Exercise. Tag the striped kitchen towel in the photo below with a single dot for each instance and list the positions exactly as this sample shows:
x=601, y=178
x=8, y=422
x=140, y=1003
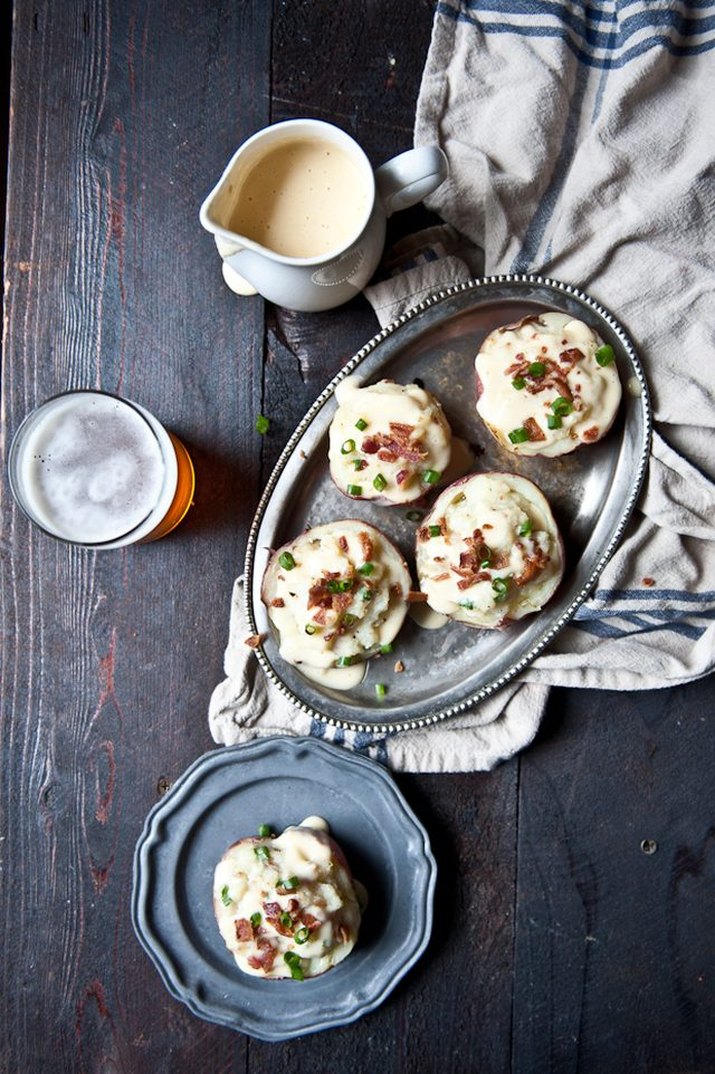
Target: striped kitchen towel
x=581, y=144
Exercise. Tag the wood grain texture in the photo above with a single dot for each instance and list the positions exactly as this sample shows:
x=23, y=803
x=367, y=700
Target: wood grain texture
x=559, y=945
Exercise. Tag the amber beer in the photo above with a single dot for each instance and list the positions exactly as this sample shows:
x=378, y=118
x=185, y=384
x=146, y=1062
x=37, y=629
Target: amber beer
x=96, y=470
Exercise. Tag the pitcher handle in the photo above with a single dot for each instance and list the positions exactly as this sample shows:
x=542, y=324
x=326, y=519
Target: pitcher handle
x=410, y=177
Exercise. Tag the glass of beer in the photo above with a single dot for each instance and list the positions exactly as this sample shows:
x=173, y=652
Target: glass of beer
x=99, y=471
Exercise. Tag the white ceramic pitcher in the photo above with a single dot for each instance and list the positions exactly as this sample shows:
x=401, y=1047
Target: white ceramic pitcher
x=328, y=279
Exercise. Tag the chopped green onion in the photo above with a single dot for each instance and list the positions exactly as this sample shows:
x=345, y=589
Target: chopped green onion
x=366, y=594
x=262, y=853
x=379, y=482
x=225, y=897
x=435, y=531
x=604, y=355
x=387, y=648
x=264, y=830
x=310, y=628
x=561, y=406
x=485, y=563
x=290, y=884
x=431, y=477
x=285, y=919
x=361, y=424
x=414, y=516
x=380, y=689
x=262, y=424
x=459, y=498
x=293, y=960
x=537, y=369
x=468, y=604
x=519, y=436
x=354, y=490
x=286, y=561
x=349, y=619
x=525, y=528
x=255, y=919
x=343, y=661
x=359, y=464
x=554, y=421
x=302, y=935
x=500, y=587
x=348, y=446
x=518, y=383
x=366, y=569
x=339, y=585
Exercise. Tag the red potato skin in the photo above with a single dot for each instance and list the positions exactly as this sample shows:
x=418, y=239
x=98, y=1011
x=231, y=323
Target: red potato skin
x=503, y=623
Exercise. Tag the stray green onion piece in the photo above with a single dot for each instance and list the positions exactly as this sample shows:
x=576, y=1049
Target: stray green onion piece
x=354, y=490
x=255, y=919
x=379, y=482
x=554, y=421
x=387, y=648
x=262, y=424
x=302, y=935
x=348, y=446
x=537, y=369
x=285, y=919
x=225, y=897
x=561, y=406
x=519, y=436
x=262, y=853
x=339, y=585
x=518, y=383
x=604, y=355
x=468, y=604
x=361, y=424
x=380, y=689
x=435, y=531
x=431, y=477
x=291, y=883
x=459, y=498
x=286, y=561
x=343, y=661
x=310, y=628
x=366, y=594
x=264, y=830
x=349, y=619
x=500, y=587
x=293, y=961
x=366, y=569
x=525, y=528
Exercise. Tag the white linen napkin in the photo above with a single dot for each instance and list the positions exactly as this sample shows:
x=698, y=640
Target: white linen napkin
x=581, y=147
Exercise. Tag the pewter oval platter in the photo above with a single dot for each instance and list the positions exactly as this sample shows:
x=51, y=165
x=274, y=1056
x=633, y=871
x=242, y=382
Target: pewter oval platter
x=592, y=492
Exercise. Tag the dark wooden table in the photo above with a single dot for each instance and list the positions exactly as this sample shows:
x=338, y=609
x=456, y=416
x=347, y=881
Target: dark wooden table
x=559, y=943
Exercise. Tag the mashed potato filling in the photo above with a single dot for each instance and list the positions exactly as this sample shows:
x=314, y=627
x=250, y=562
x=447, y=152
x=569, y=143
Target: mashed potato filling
x=336, y=594
x=387, y=441
x=546, y=385
x=489, y=551
x=286, y=905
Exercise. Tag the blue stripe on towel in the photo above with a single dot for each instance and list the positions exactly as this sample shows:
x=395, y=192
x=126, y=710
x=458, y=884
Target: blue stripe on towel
x=599, y=628
x=684, y=596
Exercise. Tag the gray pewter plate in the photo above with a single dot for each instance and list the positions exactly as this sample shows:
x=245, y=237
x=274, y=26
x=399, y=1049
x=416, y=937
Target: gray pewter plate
x=224, y=796
x=592, y=492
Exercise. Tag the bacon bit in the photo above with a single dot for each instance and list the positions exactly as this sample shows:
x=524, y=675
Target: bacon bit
x=343, y=543
x=472, y=579
x=263, y=961
x=399, y=666
x=255, y=640
x=397, y=444
x=534, y=429
x=648, y=582
x=278, y=602
x=272, y=909
x=487, y=526
x=360, y=464
x=573, y=356
x=273, y=913
x=533, y=566
x=401, y=476
x=366, y=544
x=396, y=591
x=244, y=929
x=319, y=596
x=441, y=577
x=499, y=560
x=533, y=318
x=293, y=905
x=320, y=617
x=415, y=597
x=591, y=434
x=423, y=533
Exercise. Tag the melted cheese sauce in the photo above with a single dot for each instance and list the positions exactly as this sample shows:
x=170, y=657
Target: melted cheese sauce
x=295, y=896
x=405, y=435
x=497, y=555
x=567, y=348
x=343, y=598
